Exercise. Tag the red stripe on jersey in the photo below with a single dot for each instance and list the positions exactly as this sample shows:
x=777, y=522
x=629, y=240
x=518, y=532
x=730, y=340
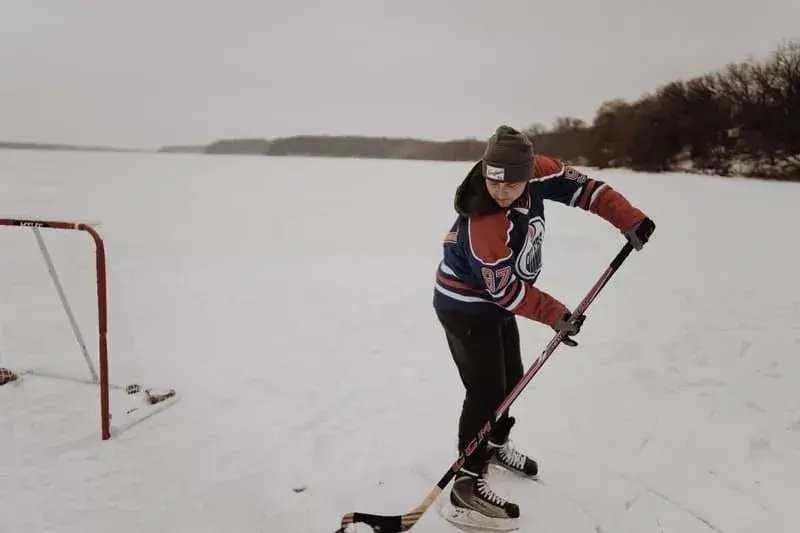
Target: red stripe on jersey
x=583, y=203
x=455, y=284
x=511, y=294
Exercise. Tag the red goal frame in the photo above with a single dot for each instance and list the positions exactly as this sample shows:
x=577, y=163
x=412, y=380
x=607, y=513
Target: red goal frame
x=102, y=303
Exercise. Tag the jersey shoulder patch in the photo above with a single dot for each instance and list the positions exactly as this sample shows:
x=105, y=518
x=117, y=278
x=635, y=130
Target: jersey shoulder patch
x=489, y=238
x=545, y=167
x=574, y=174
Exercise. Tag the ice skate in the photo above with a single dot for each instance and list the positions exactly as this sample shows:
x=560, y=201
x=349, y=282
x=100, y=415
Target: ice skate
x=505, y=455
x=474, y=504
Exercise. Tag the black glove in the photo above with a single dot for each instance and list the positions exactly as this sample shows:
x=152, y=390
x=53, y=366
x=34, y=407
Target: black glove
x=640, y=233
x=571, y=326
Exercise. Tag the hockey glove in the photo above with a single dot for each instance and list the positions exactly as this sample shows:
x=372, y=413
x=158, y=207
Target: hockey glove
x=570, y=326
x=640, y=233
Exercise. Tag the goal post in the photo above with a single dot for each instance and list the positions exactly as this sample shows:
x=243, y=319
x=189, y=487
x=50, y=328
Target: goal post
x=99, y=374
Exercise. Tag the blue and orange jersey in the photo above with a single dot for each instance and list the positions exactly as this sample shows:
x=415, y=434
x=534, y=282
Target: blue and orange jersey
x=492, y=256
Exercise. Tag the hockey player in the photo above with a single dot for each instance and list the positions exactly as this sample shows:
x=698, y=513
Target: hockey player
x=491, y=259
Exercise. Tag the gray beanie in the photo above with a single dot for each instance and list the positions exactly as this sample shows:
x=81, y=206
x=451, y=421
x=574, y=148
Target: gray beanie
x=508, y=156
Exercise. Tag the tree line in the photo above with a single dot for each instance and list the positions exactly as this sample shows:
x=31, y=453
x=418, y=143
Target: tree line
x=742, y=120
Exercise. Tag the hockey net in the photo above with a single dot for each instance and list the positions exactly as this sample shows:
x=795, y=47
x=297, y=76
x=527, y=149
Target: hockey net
x=54, y=326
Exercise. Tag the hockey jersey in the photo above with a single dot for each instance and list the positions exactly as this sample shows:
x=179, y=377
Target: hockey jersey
x=492, y=256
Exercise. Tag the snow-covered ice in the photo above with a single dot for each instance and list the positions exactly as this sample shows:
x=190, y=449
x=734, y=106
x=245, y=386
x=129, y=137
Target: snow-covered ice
x=288, y=300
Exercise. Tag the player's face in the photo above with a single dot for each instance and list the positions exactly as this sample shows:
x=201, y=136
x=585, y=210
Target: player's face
x=505, y=193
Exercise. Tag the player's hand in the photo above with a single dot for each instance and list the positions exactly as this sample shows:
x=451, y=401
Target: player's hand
x=570, y=326
x=640, y=233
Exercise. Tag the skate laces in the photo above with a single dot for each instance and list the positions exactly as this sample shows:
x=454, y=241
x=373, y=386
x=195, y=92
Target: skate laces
x=486, y=491
x=511, y=456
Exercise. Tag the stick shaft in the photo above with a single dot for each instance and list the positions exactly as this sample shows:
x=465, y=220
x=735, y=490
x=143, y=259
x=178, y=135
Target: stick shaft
x=398, y=523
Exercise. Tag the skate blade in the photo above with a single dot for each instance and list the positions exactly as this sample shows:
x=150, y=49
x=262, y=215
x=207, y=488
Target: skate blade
x=506, y=472
x=470, y=520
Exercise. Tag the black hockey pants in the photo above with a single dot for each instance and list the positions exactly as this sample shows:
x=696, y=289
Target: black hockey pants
x=486, y=352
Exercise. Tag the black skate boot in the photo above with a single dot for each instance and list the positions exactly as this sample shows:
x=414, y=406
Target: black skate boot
x=504, y=454
x=472, y=501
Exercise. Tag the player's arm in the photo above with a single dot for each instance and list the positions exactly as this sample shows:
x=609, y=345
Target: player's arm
x=564, y=184
x=491, y=261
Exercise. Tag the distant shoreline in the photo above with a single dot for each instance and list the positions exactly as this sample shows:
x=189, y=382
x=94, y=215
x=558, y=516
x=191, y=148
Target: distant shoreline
x=569, y=145
x=66, y=147
x=316, y=145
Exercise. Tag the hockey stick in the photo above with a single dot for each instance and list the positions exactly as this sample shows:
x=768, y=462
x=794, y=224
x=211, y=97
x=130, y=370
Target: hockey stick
x=397, y=523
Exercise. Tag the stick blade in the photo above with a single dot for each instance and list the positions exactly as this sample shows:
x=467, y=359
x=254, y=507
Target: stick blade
x=378, y=523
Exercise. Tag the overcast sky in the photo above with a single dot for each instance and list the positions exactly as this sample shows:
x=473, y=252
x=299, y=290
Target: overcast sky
x=146, y=73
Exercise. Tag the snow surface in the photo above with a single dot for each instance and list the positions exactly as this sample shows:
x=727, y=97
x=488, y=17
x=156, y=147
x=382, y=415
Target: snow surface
x=288, y=300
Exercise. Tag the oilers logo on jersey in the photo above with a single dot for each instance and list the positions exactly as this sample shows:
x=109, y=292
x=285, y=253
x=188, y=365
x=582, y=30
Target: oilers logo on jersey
x=529, y=260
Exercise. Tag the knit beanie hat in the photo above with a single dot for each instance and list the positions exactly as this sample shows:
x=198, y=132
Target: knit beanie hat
x=508, y=156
